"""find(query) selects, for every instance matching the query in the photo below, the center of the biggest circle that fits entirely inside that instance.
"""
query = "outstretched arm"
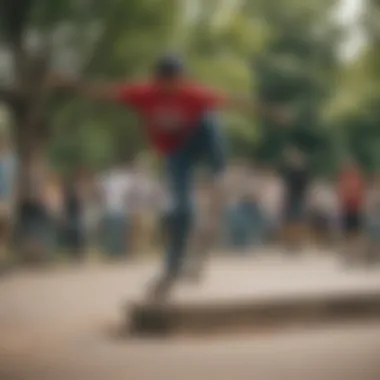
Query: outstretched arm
(214, 99)
(278, 114)
(94, 91)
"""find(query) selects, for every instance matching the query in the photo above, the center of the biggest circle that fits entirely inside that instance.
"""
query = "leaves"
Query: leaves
(280, 51)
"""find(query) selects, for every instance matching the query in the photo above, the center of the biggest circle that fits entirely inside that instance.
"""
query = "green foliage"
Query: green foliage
(279, 51)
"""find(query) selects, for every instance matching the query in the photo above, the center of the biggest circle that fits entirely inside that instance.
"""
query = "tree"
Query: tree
(114, 38)
(298, 67)
(354, 110)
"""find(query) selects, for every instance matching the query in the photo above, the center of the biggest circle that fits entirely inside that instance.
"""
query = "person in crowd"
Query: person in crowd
(52, 199)
(247, 231)
(372, 213)
(8, 177)
(202, 237)
(251, 209)
(145, 189)
(91, 209)
(351, 193)
(271, 197)
(32, 229)
(73, 214)
(237, 226)
(296, 176)
(116, 192)
(323, 211)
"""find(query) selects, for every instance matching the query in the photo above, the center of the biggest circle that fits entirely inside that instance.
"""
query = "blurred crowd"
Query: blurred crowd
(121, 212)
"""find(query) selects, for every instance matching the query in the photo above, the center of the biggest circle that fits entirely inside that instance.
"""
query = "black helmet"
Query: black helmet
(168, 66)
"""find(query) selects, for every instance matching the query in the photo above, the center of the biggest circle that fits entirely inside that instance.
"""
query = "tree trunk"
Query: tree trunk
(26, 102)
(31, 139)
(31, 135)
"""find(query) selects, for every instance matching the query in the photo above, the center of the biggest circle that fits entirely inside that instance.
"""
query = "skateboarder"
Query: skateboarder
(181, 124)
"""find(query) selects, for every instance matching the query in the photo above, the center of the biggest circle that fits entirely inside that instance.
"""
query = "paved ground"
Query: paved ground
(57, 325)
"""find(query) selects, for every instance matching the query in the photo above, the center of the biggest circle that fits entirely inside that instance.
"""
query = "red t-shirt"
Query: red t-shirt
(351, 190)
(168, 117)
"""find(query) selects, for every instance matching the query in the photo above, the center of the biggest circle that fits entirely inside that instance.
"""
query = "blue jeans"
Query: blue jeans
(205, 144)
(237, 227)
(114, 230)
(245, 225)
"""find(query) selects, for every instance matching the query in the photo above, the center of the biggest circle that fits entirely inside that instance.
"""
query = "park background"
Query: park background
(318, 57)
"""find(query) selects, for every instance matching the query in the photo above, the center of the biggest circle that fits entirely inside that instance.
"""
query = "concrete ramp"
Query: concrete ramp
(260, 295)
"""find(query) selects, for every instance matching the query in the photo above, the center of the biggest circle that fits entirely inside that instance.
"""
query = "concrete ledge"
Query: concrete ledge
(262, 294)
(251, 315)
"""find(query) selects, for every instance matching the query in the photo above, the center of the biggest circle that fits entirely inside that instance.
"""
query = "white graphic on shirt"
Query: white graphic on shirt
(168, 119)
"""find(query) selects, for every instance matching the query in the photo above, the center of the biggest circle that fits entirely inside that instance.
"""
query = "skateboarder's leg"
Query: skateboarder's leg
(179, 172)
(214, 154)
